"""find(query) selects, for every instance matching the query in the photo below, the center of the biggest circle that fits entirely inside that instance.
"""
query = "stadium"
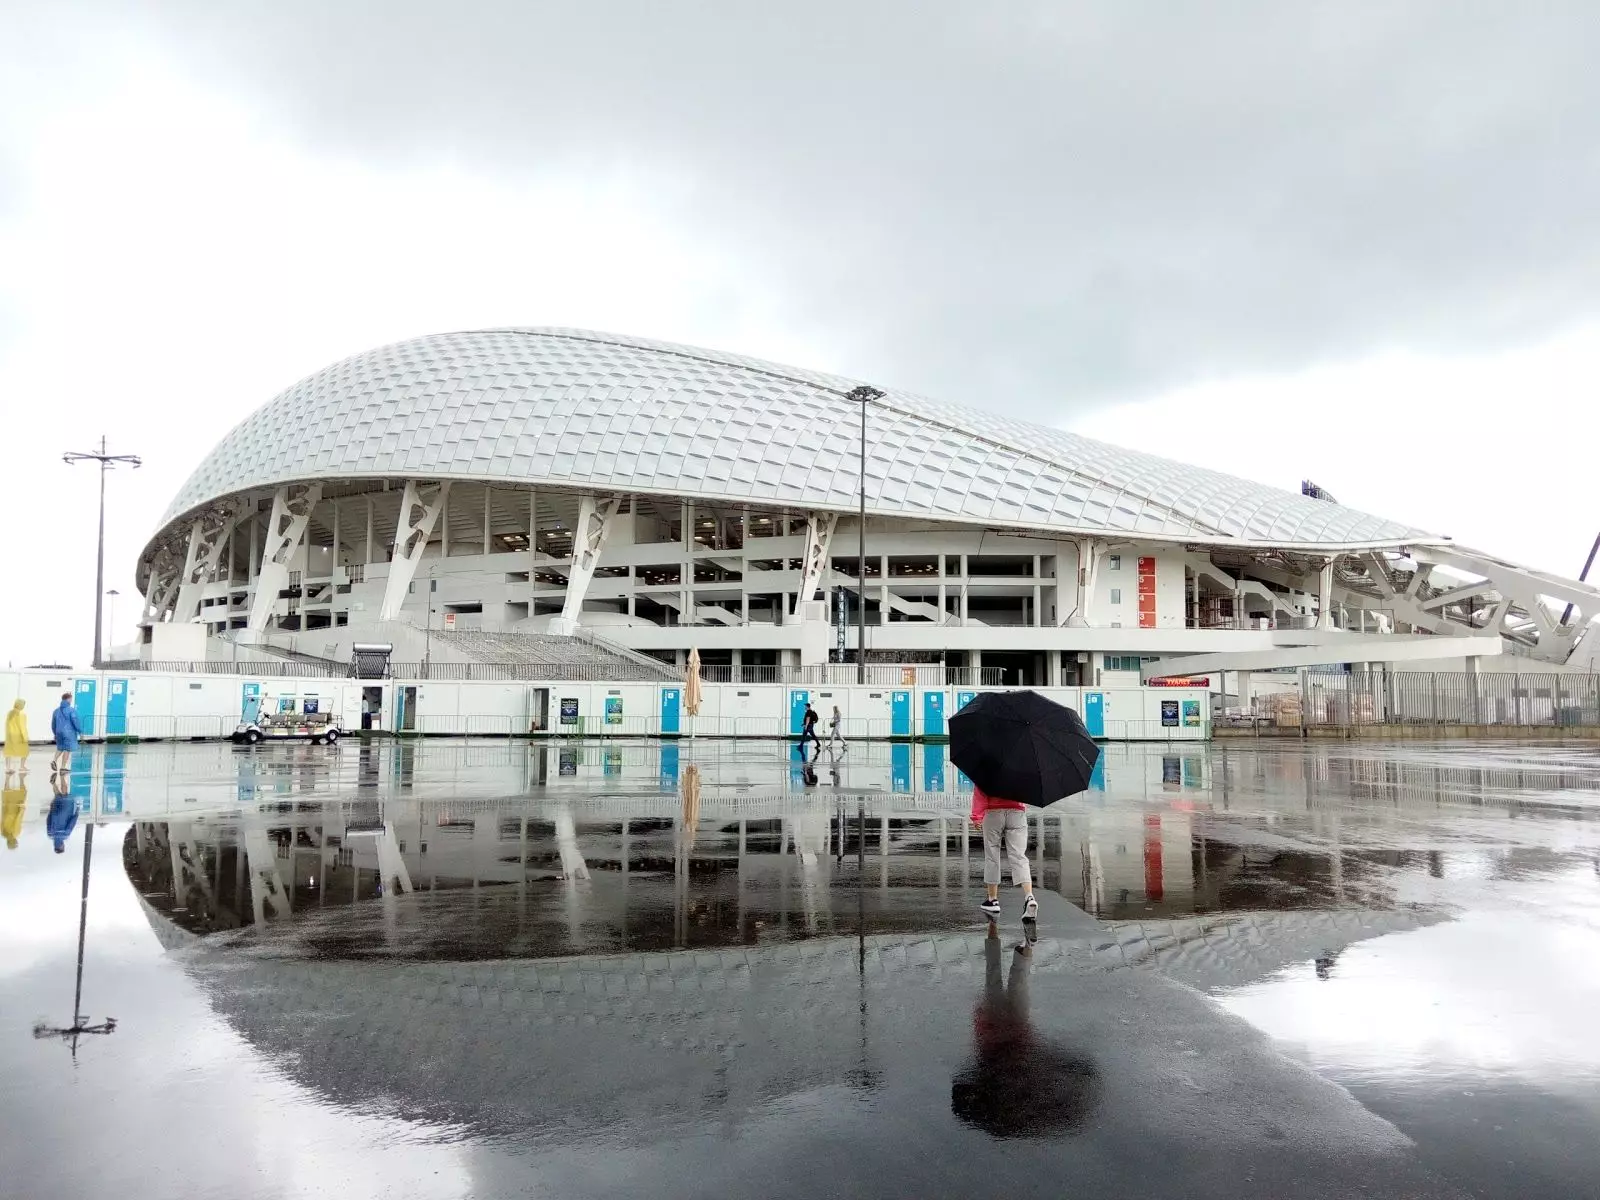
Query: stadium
(494, 495)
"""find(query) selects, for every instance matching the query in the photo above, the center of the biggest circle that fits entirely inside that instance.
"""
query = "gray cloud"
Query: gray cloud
(1026, 205)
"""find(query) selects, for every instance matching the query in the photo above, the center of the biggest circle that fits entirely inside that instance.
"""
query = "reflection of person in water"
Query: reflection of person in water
(1017, 1083)
(63, 818)
(15, 801)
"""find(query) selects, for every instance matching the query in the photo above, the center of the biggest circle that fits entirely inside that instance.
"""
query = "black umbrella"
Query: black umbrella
(1022, 746)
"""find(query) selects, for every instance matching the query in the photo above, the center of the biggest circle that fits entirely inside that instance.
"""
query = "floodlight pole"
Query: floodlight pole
(106, 461)
(863, 395)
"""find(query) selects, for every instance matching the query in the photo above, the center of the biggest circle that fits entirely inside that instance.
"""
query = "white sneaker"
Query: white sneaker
(1030, 908)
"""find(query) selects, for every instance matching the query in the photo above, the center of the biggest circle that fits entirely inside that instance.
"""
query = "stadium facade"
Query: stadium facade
(452, 493)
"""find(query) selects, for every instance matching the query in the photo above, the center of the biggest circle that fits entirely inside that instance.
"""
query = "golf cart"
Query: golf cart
(298, 718)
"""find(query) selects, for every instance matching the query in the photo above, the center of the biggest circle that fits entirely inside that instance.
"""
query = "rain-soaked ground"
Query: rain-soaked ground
(488, 969)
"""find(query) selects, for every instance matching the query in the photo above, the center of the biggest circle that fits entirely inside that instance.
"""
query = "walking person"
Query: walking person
(66, 729)
(836, 744)
(17, 739)
(808, 729)
(1004, 822)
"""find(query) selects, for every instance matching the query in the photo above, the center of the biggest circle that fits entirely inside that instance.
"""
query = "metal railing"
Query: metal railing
(1521, 699)
(623, 670)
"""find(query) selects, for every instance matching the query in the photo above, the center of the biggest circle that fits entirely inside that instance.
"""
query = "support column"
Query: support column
(208, 541)
(819, 541)
(419, 511)
(1325, 597)
(1089, 555)
(594, 522)
(488, 517)
(286, 534)
(161, 589)
(368, 558)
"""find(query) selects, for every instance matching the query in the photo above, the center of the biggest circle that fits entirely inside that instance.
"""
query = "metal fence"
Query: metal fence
(1436, 698)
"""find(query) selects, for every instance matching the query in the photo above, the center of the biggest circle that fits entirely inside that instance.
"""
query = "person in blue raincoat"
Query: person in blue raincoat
(63, 818)
(64, 726)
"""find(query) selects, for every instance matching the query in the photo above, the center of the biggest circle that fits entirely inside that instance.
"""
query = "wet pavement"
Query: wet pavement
(491, 969)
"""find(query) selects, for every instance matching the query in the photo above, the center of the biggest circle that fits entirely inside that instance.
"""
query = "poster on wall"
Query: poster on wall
(1191, 713)
(613, 710)
(569, 710)
(1169, 713)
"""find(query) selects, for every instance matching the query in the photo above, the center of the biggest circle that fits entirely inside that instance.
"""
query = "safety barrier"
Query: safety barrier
(1525, 699)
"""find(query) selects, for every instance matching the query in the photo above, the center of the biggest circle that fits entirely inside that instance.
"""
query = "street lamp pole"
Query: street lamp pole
(111, 618)
(106, 461)
(862, 395)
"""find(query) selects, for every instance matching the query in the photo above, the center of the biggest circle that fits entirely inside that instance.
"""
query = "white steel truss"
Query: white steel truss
(588, 539)
(208, 542)
(419, 512)
(286, 533)
(820, 527)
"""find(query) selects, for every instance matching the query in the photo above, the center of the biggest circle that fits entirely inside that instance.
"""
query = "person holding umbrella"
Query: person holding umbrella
(1004, 821)
(1018, 748)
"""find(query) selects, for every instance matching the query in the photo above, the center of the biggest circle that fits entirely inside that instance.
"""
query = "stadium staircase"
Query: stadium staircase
(529, 654)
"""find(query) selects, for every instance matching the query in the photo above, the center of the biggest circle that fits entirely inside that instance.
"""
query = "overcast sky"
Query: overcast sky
(1356, 242)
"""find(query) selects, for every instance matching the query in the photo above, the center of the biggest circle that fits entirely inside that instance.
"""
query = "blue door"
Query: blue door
(116, 708)
(114, 770)
(900, 715)
(933, 768)
(671, 708)
(1094, 713)
(932, 714)
(250, 703)
(669, 767)
(1097, 780)
(797, 711)
(963, 699)
(900, 765)
(83, 699)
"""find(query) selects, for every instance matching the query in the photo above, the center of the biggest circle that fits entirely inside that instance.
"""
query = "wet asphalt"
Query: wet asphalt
(492, 968)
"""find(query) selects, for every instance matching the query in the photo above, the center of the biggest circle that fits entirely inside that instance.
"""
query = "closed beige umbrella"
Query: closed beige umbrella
(691, 684)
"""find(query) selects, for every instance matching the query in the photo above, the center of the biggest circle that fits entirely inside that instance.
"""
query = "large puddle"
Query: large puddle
(475, 969)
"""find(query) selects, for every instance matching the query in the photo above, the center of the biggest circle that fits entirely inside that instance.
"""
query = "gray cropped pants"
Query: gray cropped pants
(1008, 826)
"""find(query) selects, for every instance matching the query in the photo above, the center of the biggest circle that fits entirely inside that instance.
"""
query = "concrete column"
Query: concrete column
(1243, 686)
(975, 662)
(533, 535)
(368, 557)
(1325, 597)
(488, 513)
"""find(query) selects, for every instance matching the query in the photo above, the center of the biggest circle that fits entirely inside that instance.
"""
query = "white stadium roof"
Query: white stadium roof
(588, 411)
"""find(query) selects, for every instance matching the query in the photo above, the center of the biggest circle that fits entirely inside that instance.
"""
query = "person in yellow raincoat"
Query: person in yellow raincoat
(17, 738)
(15, 800)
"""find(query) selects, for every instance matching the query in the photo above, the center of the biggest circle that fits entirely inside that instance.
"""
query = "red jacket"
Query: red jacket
(982, 803)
